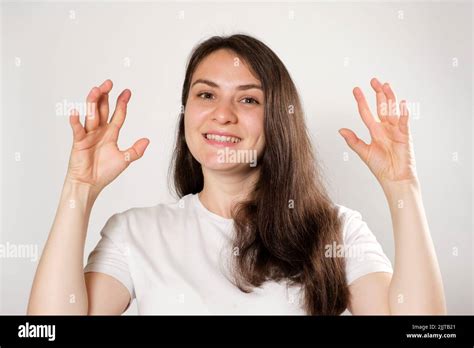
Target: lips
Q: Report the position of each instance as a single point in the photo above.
(221, 139)
(218, 132)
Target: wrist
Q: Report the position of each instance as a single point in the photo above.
(396, 190)
(77, 192)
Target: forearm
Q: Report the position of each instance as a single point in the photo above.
(59, 285)
(416, 286)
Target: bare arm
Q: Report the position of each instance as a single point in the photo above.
(59, 285)
(106, 294)
(416, 286)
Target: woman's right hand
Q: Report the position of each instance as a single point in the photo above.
(95, 157)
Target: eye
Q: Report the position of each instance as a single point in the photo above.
(205, 95)
(252, 100)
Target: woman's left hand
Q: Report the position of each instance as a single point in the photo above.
(390, 154)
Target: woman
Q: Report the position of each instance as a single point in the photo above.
(257, 236)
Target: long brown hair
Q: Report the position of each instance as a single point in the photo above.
(283, 228)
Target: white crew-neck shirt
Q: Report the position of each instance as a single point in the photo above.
(173, 259)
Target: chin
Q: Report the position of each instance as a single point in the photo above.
(231, 158)
(213, 162)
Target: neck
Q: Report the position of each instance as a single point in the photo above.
(222, 190)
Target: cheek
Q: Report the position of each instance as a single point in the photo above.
(190, 132)
(254, 124)
(193, 116)
(193, 121)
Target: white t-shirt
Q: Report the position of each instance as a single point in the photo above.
(172, 258)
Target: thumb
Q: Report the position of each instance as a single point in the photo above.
(137, 150)
(356, 144)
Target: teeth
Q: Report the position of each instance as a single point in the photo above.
(222, 138)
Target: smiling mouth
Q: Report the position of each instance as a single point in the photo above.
(221, 138)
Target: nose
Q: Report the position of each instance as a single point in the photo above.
(224, 113)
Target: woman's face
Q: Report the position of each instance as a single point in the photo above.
(224, 113)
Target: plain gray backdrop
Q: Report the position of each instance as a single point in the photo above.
(53, 53)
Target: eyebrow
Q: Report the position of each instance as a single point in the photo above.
(240, 88)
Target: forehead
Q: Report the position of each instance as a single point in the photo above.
(225, 68)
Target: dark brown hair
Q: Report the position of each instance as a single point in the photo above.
(283, 228)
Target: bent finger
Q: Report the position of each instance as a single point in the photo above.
(364, 109)
(78, 130)
(92, 119)
(121, 108)
(382, 107)
(392, 104)
(136, 151)
(105, 88)
(404, 117)
(356, 144)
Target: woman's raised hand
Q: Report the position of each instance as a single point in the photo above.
(390, 154)
(95, 157)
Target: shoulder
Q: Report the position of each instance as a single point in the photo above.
(350, 218)
(346, 212)
(147, 217)
(355, 229)
(362, 251)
